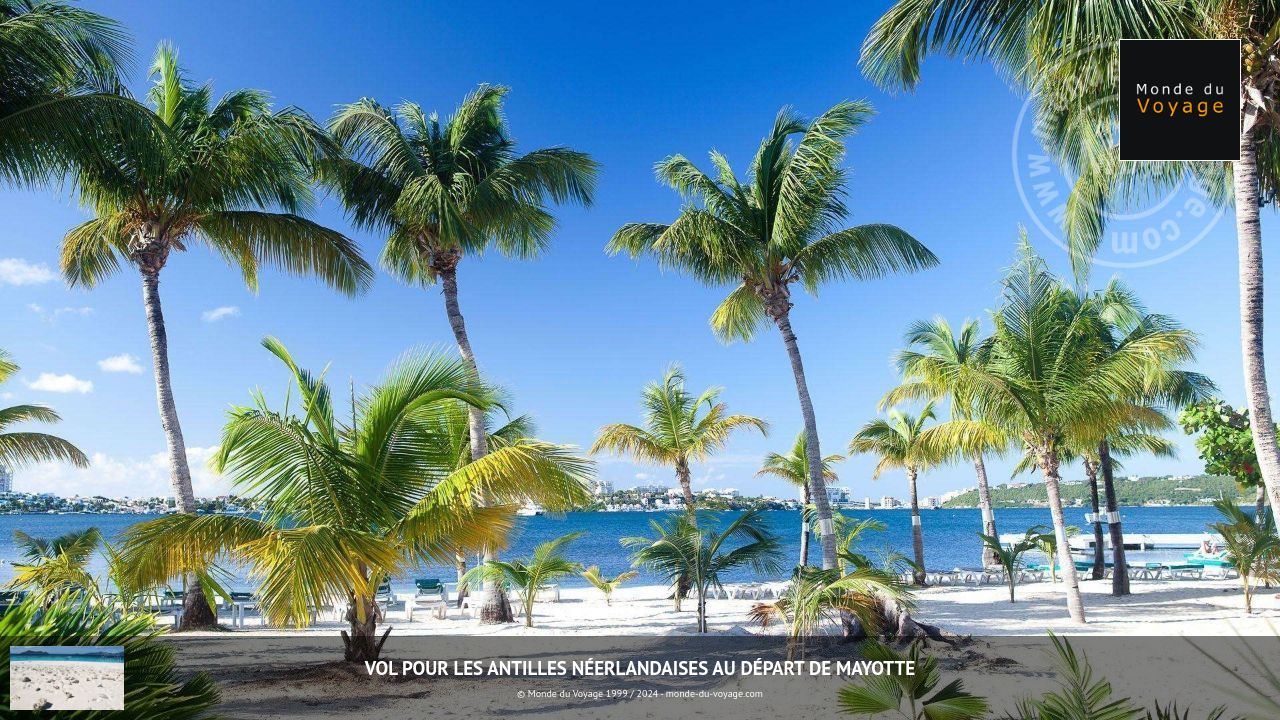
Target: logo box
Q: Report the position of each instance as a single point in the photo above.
(1180, 99)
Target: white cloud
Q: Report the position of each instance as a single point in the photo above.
(220, 313)
(15, 271)
(642, 476)
(50, 382)
(6, 396)
(124, 363)
(122, 477)
(51, 315)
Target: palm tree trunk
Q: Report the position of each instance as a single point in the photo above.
(988, 512)
(1249, 239)
(804, 527)
(1260, 505)
(1099, 556)
(917, 533)
(1049, 469)
(460, 566)
(361, 642)
(195, 608)
(496, 607)
(1119, 566)
(686, 488)
(817, 486)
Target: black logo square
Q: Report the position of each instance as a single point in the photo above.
(1179, 99)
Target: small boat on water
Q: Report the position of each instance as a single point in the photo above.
(530, 510)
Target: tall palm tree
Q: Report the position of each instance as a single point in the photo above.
(19, 448)
(231, 175)
(679, 428)
(58, 85)
(1123, 320)
(455, 429)
(779, 227)
(348, 504)
(1052, 383)
(444, 190)
(794, 468)
(896, 441)
(929, 364)
(1123, 442)
(1065, 53)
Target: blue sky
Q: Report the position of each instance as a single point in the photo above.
(575, 334)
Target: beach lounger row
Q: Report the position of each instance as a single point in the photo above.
(749, 591)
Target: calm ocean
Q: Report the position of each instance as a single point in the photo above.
(949, 535)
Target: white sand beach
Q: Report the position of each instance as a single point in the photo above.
(1007, 654)
(1155, 608)
(66, 685)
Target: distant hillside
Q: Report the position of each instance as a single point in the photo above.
(1199, 490)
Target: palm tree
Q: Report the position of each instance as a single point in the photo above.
(202, 173)
(346, 505)
(444, 190)
(1065, 54)
(896, 442)
(933, 355)
(679, 428)
(1252, 546)
(607, 585)
(1123, 321)
(912, 696)
(1010, 558)
(705, 552)
(58, 566)
(19, 448)
(154, 685)
(1053, 383)
(58, 85)
(778, 228)
(815, 598)
(455, 428)
(794, 468)
(547, 565)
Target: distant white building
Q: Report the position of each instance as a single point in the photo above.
(838, 495)
(6, 479)
(866, 504)
(932, 503)
(603, 487)
(888, 501)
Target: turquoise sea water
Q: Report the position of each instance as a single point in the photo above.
(949, 535)
(95, 654)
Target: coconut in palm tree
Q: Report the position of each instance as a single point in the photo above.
(443, 190)
(779, 228)
(896, 441)
(231, 175)
(794, 468)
